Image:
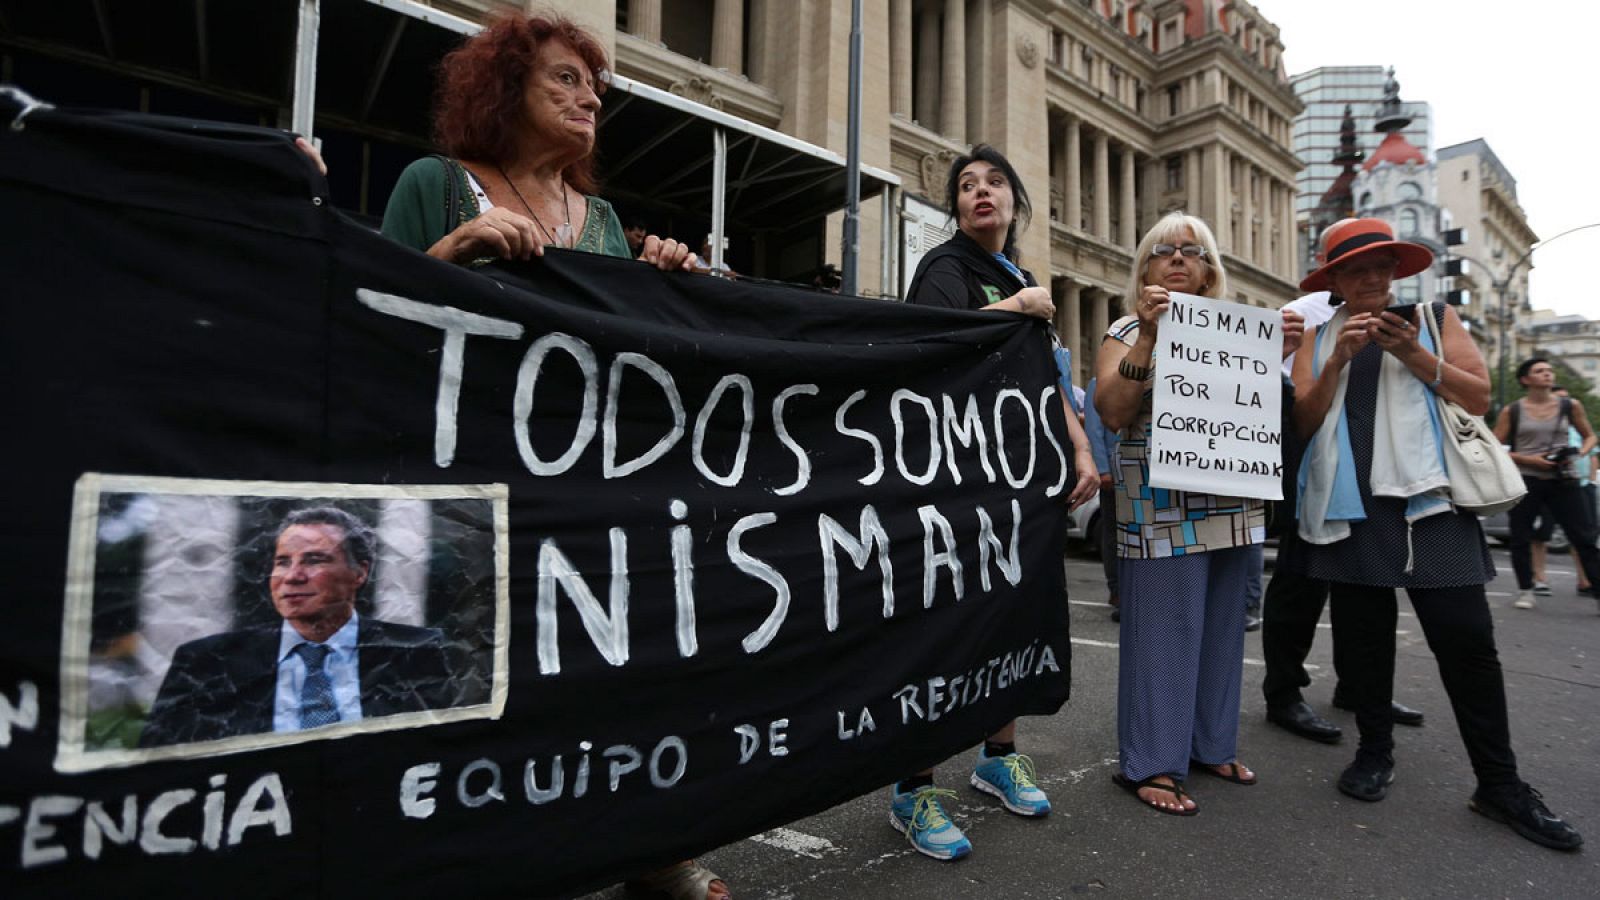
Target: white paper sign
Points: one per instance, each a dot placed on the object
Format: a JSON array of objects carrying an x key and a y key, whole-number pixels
[{"x": 1217, "y": 423}]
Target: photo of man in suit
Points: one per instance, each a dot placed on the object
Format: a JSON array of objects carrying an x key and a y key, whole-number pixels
[{"x": 322, "y": 665}]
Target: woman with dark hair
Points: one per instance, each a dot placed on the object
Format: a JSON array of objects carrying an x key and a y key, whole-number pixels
[
  {"x": 1376, "y": 515},
  {"x": 1536, "y": 428},
  {"x": 1184, "y": 557},
  {"x": 515, "y": 115},
  {"x": 977, "y": 269}
]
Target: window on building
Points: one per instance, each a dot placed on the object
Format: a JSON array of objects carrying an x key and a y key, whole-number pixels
[
  {"x": 1175, "y": 173},
  {"x": 1058, "y": 47},
  {"x": 1409, "y": 223},
  {"x": 1174, "y": 99},
  {"x": 1410, "y": 190},
  {"x": 1409, "y": 291},
  {"x": 686, "y": 27}
]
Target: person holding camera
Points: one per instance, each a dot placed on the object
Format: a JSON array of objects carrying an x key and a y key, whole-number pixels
[{"x": 1535, "y": 427}]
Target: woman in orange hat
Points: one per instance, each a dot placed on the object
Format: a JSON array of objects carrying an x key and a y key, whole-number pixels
[{"x": 1376, "y": 515}]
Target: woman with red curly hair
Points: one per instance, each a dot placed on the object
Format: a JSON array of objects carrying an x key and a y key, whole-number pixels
[{"x": 515, "y": 116}]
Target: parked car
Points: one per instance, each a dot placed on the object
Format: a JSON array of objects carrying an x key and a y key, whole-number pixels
[{"x": 1083, "y": 524}]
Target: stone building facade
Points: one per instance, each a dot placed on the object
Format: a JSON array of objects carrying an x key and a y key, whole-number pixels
[
  {"x": 1325, "y": 93},
  {"x": 1113, "y": 112},
  {"x": 1481, "y": 195},
  {"x": 1572, "y": 339},
  {"x": 1398, "y": 184}
]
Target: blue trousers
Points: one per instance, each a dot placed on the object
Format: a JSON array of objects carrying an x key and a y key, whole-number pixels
[{"x": 1181, "y": 660}]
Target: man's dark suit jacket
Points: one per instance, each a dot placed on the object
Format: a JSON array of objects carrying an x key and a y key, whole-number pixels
[{"x": 225, "y": 685}]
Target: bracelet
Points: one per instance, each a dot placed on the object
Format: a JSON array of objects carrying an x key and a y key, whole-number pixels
[
  {"x": 1438, "y": 375},
  {"x": 1132, "y": 372}
]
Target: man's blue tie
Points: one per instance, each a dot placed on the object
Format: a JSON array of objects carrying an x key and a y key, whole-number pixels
[{"x": 316, "y": 694}]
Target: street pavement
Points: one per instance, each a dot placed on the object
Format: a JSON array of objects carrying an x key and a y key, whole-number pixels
[{"x": 1292, "y": 835}]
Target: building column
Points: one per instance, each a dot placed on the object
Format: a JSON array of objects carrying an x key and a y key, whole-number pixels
[
  {"x": 1069, "y": 323},
  {"x": 1074, "y": 190},
  {"x": 1099, "y": 321},
  {"x": 1128, "y": 212},
  {"x": 900, "y": 57},
  {"x": 1219, "y": 192},
  {"x": 758, "y": 50},
  {"x": 727, "y": 36},
  {"x": 1247, "y": 211},
  {"x": 953, "y": 84},
  {"x": 1155, "y": 174},
  {"x": 1272, "y": 252},
  {"x": 1102, "y": 186},
  {"x": 926, "y": 94},
  {"x": 1290, "y": 265},
  {"x": 1193, "y": 167},
  {"x": 644, "y": 19},
  {"x": 1058, "y": 166}
]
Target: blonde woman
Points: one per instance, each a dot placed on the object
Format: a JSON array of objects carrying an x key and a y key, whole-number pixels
[{"x": 1183, "y": 558}]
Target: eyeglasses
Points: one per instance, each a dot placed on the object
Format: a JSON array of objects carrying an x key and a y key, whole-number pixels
[{"x": 1193, "y": 251}]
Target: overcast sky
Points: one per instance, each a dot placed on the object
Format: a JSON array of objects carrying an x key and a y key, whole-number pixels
[{"x": 1520, "y": 75}]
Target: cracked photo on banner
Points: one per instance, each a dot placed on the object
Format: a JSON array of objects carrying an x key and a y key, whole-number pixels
[
  {"x": 338, "y": 570},
  {"x": 189, "y": 600},
  {"x": 1217, "y": 419}
]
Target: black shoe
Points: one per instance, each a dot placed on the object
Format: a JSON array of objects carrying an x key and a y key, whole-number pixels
[
  {"x": 1367, "y": 779},
  {"x": 1522, "y": 807},
  {"x": 1301, "y": 719},
  {"x": 1251, "y": 623},
  {"x": 1116, "y": 614},
  {"x": 1399, "y": 712},
  {"x": 1405, "y": 715}
]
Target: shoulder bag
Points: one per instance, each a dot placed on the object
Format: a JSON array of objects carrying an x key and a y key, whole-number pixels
[{"x": 1483, "y": 479}]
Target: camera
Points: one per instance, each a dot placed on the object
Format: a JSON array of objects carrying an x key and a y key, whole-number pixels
[{"x": 1564, "y": 458}]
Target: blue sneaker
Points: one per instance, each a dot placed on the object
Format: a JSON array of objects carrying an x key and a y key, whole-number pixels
[
  {"x": 921, "y": 818},
  {"x": 1011, "y": 778}
]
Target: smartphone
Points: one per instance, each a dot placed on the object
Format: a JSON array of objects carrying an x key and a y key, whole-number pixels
[{"x": 1407, "y": 311}]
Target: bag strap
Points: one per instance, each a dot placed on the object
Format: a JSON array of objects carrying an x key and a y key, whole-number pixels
[
  {"x": 452, "y": 203},
  {"x": 1426, "y": 312}
]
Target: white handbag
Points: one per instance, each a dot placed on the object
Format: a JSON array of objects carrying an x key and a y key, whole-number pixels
[{"x": 1483, "y": 479}]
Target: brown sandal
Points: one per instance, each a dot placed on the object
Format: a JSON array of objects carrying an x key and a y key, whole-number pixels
[{"x": 1175, "y": 789}]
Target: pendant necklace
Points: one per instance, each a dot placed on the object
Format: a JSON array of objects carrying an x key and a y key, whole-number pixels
[{"x": 563, "y": 233}]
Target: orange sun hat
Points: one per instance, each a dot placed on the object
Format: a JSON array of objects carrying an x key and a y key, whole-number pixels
[{"x": 1358, "y": 237}]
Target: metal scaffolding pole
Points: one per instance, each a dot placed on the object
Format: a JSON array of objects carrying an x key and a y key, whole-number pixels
[
  {"x": 719, "y": 195},
  {"x": 302, "y": 114},
  {"x": 852, "y": 167}
]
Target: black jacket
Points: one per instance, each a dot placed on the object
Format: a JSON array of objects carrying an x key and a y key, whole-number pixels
[
  {"x": 225, "y": 685},
  {"x": 959, "y": 274}
]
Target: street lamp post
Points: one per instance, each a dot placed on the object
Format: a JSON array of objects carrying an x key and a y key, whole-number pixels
[{"x": 1500, "y": 289}]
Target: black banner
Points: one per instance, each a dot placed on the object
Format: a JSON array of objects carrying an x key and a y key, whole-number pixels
[{"x": 642, "y": 563}]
